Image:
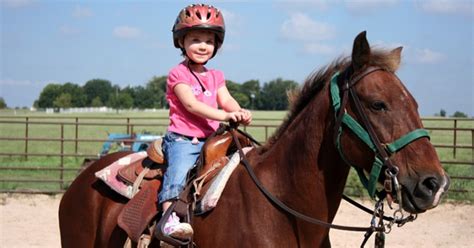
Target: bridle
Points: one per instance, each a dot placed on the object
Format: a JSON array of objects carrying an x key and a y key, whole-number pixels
[
  {"x": 366, "y": 133},
  {"x": 369, "y": 137}
]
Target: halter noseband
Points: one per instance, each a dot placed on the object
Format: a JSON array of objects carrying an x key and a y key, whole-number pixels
[{"x": 366, "y": 133}]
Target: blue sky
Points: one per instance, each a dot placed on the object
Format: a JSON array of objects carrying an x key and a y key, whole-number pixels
[{"x": 129, "y": 42}]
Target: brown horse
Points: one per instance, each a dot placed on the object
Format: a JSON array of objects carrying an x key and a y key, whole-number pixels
[{"x": 305, "y": 165}]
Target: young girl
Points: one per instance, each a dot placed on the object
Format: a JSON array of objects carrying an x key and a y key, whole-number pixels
[{"x": 194, "y": 93}]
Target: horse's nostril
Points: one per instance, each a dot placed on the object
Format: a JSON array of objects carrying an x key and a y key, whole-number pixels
[{"x": 431, "y": 184}]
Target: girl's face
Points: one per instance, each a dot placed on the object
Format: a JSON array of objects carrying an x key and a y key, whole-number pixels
[{"x": 199, "y": 45}]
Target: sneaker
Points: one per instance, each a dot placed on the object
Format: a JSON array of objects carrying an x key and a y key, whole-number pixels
[{"x": 176, "y": 229}]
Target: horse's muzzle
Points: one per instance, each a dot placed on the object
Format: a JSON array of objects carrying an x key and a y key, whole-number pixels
[{"x": 424, "y": 194}]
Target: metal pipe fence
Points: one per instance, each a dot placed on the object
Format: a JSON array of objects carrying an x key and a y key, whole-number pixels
[{"x": 20, "y": 178}]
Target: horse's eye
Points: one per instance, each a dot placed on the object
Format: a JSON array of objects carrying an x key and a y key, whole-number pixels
[{"x": 379, "y": 106}]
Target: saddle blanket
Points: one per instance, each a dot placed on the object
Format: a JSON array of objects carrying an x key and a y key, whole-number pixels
[
  {"x": 211, "y": 197},
  {"x": 109, "y": 174}
]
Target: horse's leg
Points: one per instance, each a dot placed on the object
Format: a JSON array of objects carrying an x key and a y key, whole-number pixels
[{"x": 326, "y": 242}]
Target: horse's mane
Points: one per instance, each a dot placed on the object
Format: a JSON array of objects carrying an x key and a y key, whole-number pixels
[{"x": 315, "y": 82}]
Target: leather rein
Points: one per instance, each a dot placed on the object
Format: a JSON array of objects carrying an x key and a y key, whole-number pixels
[
  {"x": 282, "y": 205},
  {"x": 379, "y": 150}
]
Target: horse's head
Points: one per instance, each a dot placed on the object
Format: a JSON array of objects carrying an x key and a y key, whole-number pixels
[{"x": 378, "y": 101}]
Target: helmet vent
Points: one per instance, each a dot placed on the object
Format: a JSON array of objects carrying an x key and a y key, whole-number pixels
[
  {"x": 188, "y": 14},
  {"x": 198, "y": 14}
]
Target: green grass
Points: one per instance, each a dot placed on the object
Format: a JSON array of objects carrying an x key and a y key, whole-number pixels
[{"x": 155, "y": 123}]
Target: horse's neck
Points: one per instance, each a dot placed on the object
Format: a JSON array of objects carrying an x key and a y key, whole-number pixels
[{"x": 304, "y": 161}]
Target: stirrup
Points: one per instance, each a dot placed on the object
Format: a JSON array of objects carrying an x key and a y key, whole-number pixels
[{"x": 160, "y": 231}]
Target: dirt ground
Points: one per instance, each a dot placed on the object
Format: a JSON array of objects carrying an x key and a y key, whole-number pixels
[{"x": 31, "y": 221}]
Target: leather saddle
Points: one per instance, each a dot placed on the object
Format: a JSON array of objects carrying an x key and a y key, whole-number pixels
[
  {"x": 153, "y": 165},
  {"x": 139, "y": 212},
  {"x": 146, "y": 175}
]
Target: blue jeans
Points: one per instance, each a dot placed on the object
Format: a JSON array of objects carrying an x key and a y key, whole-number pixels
[{"x": 181, "y": 156}]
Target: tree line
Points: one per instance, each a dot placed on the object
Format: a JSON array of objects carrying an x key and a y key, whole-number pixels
[{"x": 100, "y": 92}]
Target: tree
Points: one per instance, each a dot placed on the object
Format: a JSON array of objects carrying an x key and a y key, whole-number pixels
[
  {"x": 252, "y": 90},
  {"x": 157, "y": 87},
  {"x": 242, "y": 99},
  {"x": 96, "y": 102},
  {"x": 459, "y": 114},
  {"x": 63, "y": 101},
  {"x": 47, "y": 96},
  {"x": 130, "y": 90},
  {"x": 442, "y": 113},
  {"x": 78, "y": 97},
  {"x": 233, "y": 87},
  {"x": 144, "y": 98},
  {"x": 235, "y": 91},
  {"x": 120, "y": 101},
  {"x": 100, "y": 88},
  {"x": 274, "y": 94},
  {"x": 125, "y": 100},
  {"x": 3, "y": 104}
]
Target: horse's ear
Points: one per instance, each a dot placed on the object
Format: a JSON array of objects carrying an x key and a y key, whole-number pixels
[
  {"x": 396, "y": 55},
  {"x": 360, "y": 52}
]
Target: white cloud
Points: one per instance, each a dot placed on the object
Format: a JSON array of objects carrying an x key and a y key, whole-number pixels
[
  {"x": 302, "y": 28},
  {"x": 447, "y": 6},
  {"x": 126, "y": 32},
  {"x": 17, "y": 3},
  {"x": 390, "y": 45},
  {"x": 81, "y": 12},
  {"x": 427, "y": 56}
]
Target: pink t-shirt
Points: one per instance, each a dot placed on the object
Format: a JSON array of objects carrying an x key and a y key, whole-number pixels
[{"x": 182, "y": 121}]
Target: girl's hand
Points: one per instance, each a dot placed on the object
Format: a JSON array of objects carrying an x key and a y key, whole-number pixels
[
  {"x": 247, "y": 117},
  {"x": 235, "y": 116},
  {"x": 241, "y": 116}
]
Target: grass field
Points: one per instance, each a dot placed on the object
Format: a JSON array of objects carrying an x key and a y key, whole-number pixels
[{"x": 155, "y": 123}]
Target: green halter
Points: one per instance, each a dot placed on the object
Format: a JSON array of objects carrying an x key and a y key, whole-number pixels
[{"x": 347, "y": 120}]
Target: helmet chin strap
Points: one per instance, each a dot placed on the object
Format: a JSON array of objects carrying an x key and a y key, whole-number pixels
[{"x": 191, "y": 62}]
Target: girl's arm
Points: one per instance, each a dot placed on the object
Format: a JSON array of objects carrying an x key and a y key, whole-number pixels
[
  {"x": 228, "y": 103},
  {"x": 192, "y": 105}
]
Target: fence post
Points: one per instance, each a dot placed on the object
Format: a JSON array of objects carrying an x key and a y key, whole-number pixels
[
  {"x": 26, "y": 138},
  {"x": 472, "y": 144},
  {"x": 77, "y": 135},
  {"x": 455, "y": 137},
  {"x": 128, "y": 126},
  {"x": 61, "y": 174}
]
